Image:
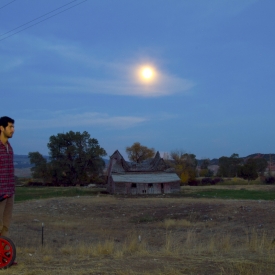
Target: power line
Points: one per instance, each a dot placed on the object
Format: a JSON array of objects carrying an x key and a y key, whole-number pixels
[
  {"x": 40, "y": 20},
  {"x": 7, "y": 4}
]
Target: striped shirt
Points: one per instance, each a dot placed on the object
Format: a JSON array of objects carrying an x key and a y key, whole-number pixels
[{"x": 7, "y": 185}]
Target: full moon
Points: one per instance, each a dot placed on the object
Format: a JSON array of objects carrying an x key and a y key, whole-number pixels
[{"x": 147, "y": 73}]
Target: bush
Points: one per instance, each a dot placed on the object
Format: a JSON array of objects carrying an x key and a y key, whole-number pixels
[
  {"x": 269, "y": 180},
  {"x": 206, "y": 181},
  {"x": 210, "y": 181},
  {"x": 216, "y": 180},
  {"x": 193, "y": 182}
]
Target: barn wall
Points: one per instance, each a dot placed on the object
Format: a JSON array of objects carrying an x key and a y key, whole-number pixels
[
  {"x": 120, "y": 188},
  {"x": 175, "y": 187},
  {"x": 145, "y": 188},
  {"x": 110, "y": 185}
]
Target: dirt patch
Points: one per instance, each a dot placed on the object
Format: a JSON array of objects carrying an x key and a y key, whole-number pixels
[{"x": 124, "y": 235}]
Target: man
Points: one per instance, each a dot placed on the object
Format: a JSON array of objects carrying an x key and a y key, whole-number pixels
[{"x": 7, "y": 184}]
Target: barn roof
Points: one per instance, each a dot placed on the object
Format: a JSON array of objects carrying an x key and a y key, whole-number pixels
[
  {"x": 119, "y": 165},
  {"x": 146, "y": 177}
]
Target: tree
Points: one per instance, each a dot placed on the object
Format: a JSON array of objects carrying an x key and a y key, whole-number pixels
[
  {"x": 74, "y": 158},
  {"x": 205, "y": 163},
  {"x": 184, "y": 164},
  {"x": 180, "y": 157},
  {"x": 248, "y": 171},
  {"x": 228, "y": 167},
  {"x": 259, "y": 163},
  {"x": 204, "y": 171},
  {"x": 139, "y": 153},
  {"x": 40, "y": 170},
  {"x": 252, "y": 167}
]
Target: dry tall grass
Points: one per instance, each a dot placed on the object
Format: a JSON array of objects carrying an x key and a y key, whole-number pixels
[
  {"x": 103, "y": 240},
  {"x": 216, "y": 249}
]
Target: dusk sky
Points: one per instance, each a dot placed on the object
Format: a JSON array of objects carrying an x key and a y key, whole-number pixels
[{"x": 212, "y": 63}]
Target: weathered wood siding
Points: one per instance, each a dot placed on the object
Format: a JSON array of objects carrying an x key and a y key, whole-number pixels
[{"x": 144, "y": 188}]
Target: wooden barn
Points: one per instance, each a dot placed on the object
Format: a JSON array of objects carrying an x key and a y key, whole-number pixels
[{"x": 152, "y": 176}]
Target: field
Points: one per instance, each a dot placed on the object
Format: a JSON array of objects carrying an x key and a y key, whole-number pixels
[{"x": 161, "y": 235}]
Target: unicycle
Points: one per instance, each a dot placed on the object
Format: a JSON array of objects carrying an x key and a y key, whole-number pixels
[
  {"x": 7, "y": 252},
  {"x": 7, "y": 247}
]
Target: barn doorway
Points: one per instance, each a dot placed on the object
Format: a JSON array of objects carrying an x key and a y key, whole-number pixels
[
  {"x": 134, "y": 189},
  {"x": 150, "y": 188}
]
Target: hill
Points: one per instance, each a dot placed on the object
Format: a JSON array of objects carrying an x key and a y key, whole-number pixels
[
  {"x": 268, "y": 157},
  {"x": 23, "y": 161}
]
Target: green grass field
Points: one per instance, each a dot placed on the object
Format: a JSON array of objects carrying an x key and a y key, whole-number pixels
[
  {"x": 29, "y": 193},
  {"x": 234, "y": 194}
]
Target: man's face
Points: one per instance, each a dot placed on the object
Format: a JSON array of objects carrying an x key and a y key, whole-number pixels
[{"x": 8, "y": 131}]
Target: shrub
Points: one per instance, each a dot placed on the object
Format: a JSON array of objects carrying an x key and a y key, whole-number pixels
[
  {"x": 206, "y": 181},
  {"x": 269, "y": 180},
  {"x": 216, "y": 180},
  {"x": 193, "y": 182}
]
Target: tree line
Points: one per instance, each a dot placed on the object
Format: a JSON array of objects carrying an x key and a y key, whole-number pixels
[
  {"x": 75, "y": 158},
  {"x": 186, "y": 164},
  {"x": 248, "y": 169}
]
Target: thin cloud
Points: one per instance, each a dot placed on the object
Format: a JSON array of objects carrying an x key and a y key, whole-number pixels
[
  {"x": 9, "y": 64},
  {"x": 81, "y": 120},
  {"x": 169, "y": 85},
  {"x": 93, "y": 74},
  {"x": 118, "y": 78}
]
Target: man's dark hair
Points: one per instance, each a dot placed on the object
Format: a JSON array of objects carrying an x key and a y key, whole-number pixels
[{"x": 4, "y": 121}]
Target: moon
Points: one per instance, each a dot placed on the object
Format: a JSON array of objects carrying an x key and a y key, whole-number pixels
[{"x": 147, "y": 73}]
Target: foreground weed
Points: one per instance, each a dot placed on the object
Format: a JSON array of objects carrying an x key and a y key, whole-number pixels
[
  {"x": 105, "y": 248},
  {"x": 191, "y": 238},
  {"x": 62, "y": 225},
  {"x": 82, "y": 249},
  {"x": 67, "y": 250},
  {"x": 170, "y": 271},
  {"x": 168, "y": 243},
  {"x": 211, "y": 246},
  {"x": 245, "y": 268},
  {"x": 172, "y": 245},
  {"x": 125, "y": 272},
  {"x": 225, "y": 243},
  {"x": 165, "y": 271},
  {"x": 172, "y": 223},
  {"x": 47, "y": 259},
  {"x": 26, "y": 248},
  {"x": 133, "y": 245},
  {"x": 258, "y": 242}
]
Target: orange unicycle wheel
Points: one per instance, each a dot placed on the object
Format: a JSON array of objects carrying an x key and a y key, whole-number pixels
[{"x": 7, "y": 252}]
